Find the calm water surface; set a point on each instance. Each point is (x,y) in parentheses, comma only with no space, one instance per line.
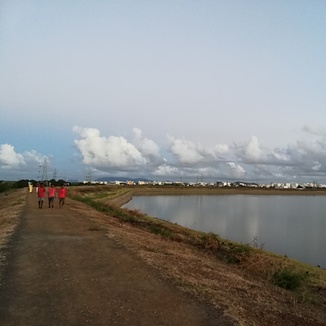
(288,225)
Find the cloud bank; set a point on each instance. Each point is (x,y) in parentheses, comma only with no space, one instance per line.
(181,158)
(10,159)
(19,165)
(187,159)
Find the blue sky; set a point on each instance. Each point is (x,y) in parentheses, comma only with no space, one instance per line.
(163,89)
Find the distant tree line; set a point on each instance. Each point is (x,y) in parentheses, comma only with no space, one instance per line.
(7,185)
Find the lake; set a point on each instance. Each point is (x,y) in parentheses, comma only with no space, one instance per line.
(294,226)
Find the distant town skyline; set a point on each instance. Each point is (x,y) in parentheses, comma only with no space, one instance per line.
(163,90)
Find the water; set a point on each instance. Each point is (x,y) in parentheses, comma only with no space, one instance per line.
(288,225)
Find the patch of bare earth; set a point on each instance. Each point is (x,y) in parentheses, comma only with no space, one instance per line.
(12,204)
(245,299)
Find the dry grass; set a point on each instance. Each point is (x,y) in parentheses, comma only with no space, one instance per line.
(11,206)
(229,275)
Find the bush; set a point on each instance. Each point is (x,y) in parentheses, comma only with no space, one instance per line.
(210,241)
(159,230)
(287,279)
(21,183)
(4,186)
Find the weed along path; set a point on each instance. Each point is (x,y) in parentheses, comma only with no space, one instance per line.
(62,269)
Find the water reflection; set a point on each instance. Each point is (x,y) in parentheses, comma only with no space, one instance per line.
(288,225)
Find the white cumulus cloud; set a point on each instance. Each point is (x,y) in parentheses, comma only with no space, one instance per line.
(9,158)
(316,166)
(236,170)
(188,152)
(20,165)
(167,170)
(146,146)
(115,152)
(251,152)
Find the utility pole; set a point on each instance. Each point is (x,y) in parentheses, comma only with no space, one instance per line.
(89,176)
(55,175)
(45,172)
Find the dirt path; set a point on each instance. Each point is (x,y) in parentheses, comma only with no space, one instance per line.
(64,271)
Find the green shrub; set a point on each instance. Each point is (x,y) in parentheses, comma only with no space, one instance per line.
(210,241)
(288,279)
(242,249)
(156,229)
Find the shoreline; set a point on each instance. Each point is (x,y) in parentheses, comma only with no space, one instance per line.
(126,196)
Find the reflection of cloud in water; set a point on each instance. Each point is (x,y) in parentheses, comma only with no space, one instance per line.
(288,225)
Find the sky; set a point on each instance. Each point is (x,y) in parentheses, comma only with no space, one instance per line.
(214,90)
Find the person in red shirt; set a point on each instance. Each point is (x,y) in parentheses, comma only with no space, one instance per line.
(40,195)
(51,195)
(62,195)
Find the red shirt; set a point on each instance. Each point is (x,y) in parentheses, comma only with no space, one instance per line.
(62,192)
(51,192)
(41,191)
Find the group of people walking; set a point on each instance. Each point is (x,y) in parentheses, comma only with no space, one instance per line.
(52,193)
